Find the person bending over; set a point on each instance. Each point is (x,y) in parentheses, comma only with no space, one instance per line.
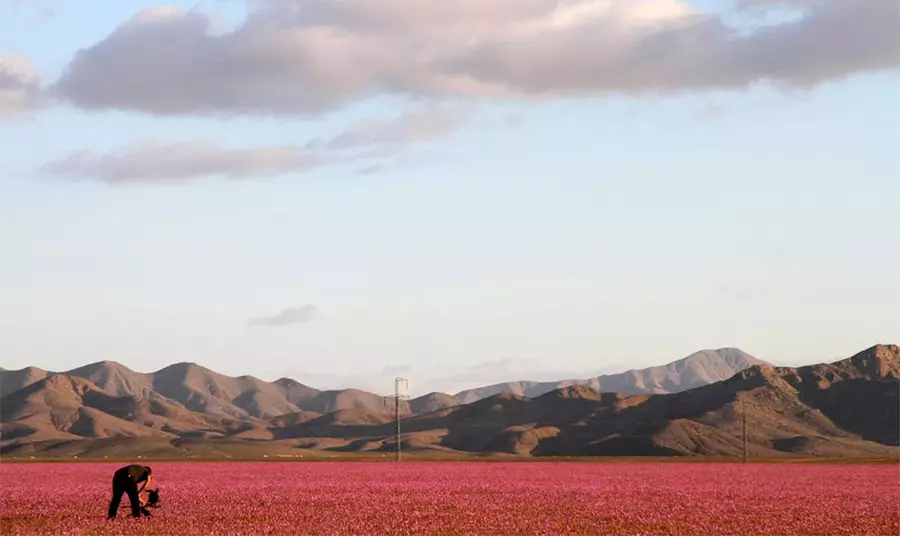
(126,480)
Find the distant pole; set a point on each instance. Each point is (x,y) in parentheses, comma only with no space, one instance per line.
(397,413)
(397,398)
(744,429)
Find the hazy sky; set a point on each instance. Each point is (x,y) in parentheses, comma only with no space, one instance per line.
(460,192)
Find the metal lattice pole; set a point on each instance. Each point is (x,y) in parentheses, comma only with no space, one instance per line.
(397,414)
(744,428)
(399,396)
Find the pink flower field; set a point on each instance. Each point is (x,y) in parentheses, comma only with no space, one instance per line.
(460,498)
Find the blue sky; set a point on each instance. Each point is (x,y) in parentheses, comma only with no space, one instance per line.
(506,208)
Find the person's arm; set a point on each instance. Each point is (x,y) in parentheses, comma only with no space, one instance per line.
(146,483)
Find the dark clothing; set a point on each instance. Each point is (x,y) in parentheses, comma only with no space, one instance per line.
(126,480)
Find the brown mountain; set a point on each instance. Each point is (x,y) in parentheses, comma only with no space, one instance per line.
(431,402)
(114,378)
(13,380)
(207,392)
(197,388)
(66,407)
(846,408)
(329,401)
(700,368)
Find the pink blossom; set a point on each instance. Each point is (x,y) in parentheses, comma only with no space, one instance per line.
(459,498)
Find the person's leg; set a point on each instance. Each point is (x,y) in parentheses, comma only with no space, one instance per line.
(132,490)
(117,492)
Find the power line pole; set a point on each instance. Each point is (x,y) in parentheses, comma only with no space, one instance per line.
(744,428)
(398,396)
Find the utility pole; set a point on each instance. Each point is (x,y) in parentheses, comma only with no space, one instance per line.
(744,428)
(398,396)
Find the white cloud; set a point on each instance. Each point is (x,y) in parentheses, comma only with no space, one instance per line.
(419,125)
(184,161)
(308,56)
(288,316)
(44,9)
(19,85)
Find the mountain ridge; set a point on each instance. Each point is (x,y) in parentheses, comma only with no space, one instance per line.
(699,368)
(846,408)
(202,389)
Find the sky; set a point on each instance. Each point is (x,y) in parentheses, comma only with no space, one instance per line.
(460,192)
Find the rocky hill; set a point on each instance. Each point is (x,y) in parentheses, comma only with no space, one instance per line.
(846,408)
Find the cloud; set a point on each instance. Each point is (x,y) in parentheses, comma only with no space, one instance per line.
(286,317)
(43,9)
(373,169)
(19,85)
(180,162)
(419,125)
(306,57)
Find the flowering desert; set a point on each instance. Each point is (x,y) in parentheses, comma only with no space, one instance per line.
(460,498)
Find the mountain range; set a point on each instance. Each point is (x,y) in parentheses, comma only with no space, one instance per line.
(202,390)
(689,407)
(700,368)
